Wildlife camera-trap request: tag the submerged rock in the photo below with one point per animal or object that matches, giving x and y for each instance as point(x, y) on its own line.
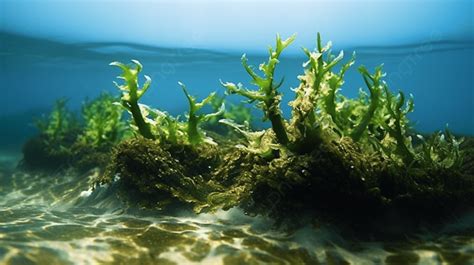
point(335, 180)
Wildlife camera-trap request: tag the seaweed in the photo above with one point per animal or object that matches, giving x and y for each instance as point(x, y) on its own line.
point(195, 134)
point(131, 93)
point(58, 132)
point(336, 155)
point(103, 122)
point(397, 124)
point(238, 113)
point(66, 141)
point(163, 174)
point(441, 150)
point(373, 83)
point(267, 96)
point(316, 106)
point(58, 126)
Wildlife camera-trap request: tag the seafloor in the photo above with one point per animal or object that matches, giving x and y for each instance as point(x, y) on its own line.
point(57, 219)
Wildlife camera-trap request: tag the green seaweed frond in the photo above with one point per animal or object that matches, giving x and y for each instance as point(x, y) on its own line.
point(375, 86)
point(267, 96)
point(441, 150)
point(59, 125)
point(131, 93)
point(103, 123)
point(398, 124)
point(195, 134)
point(258, 142)
point(317, 106)
point(239, 113)
point(168, 128)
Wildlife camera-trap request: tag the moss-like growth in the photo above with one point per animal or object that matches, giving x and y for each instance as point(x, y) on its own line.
point(441, 150)
point(164, 173)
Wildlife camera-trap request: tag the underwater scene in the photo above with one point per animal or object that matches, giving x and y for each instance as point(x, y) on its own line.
point(237, 132)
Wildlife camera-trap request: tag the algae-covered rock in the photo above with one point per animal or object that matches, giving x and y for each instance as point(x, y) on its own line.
point(38, 155)
point(65, 141)
point(164, 172)
point(332, 177)
point(336, 179)
point(355, 158)
point(339, 179)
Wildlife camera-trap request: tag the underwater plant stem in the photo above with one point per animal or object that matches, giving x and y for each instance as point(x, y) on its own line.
point(397, 133)
point(402, 149)
point(359, 130)
point(131, 93)
point(274, 112)
point(279, 128)
point(194, 136)
point(374, 104)
point(143, 127)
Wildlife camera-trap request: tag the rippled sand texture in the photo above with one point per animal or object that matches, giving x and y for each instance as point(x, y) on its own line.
point(55, 219)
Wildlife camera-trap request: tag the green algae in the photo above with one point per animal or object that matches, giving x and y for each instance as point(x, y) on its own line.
point(238, 113)
point(82, 143)
point(103, 122)
point(131, 93)
point(163, 172)
point(267, 96)
point(194, 132)
point(334, 155)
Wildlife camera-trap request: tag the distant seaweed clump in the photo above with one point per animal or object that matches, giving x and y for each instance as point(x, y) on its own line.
point(83, 142)
point(335, 155)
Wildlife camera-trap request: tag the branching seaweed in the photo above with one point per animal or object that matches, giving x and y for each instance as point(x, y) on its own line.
point(238, 113)
point(59, 125)
point(441, 150)
point(258, 142)
point(103, 124)
point(315, 109)
point(397, 124)
point(131, 93)
point(267, 96)
point(195, 134)
point(375, 86)
point(358, 149)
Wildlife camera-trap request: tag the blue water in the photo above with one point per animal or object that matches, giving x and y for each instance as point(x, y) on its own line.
point(35, 72)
